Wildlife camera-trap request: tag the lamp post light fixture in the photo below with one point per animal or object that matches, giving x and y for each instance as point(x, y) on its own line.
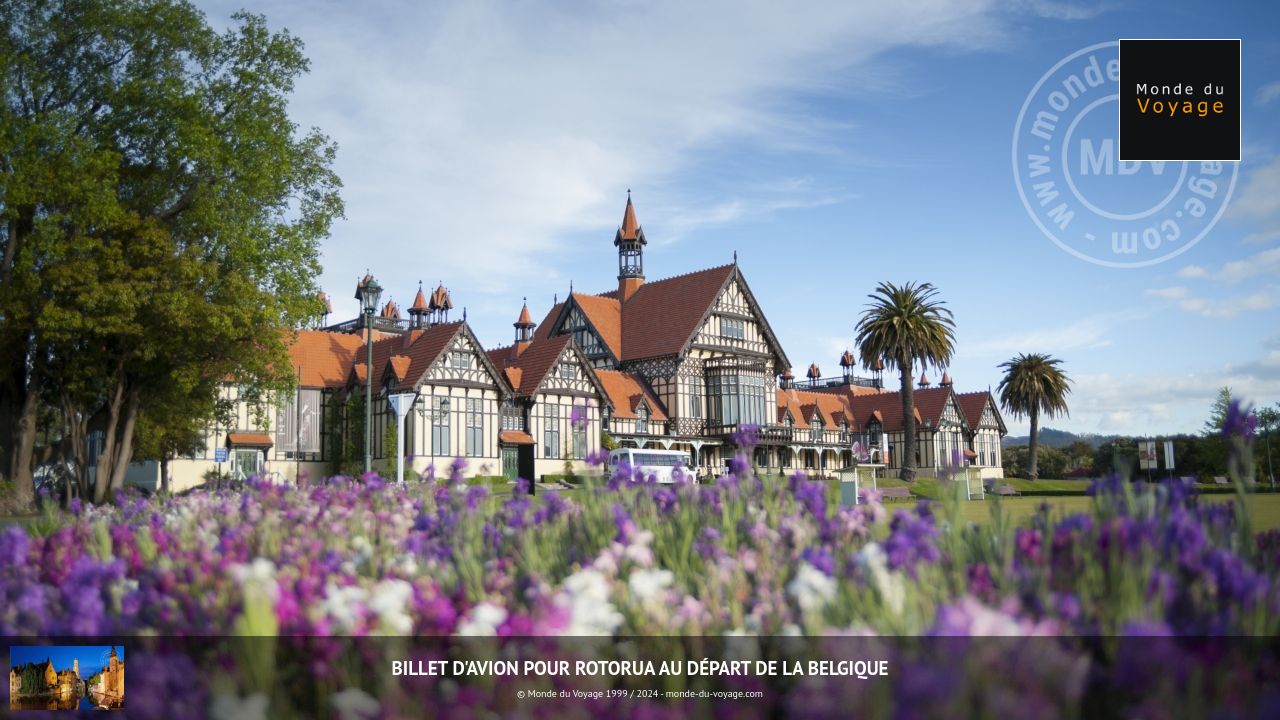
point(435, 415)
point(368, 293)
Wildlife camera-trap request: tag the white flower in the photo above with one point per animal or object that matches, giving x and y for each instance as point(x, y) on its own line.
point(388, 602)
point(354, 704)
point(344, 605)
point(258, 576)
point(648, 585)
point(889, 584)
point(230, 707)
point(483, 619)
point(811, 588)
point(586, 592)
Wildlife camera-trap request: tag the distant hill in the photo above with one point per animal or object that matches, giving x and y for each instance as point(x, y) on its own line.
point(1057, 438)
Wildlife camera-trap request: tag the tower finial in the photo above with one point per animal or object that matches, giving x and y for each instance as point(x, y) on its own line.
point(735, 257)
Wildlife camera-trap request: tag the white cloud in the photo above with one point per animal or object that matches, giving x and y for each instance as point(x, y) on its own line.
point(1269, 93)
point(494, 130)
point(1086, 333)
point(1217, 308)
point(1262, 238)
point(1266, 262)
point(1153, 403)
point(1259, 197)
point(1193, 271)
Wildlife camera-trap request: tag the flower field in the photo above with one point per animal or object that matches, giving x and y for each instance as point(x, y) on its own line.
point(285, 601)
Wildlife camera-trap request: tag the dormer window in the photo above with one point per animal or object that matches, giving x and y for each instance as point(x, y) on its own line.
point(642, 419)
point(815, 429)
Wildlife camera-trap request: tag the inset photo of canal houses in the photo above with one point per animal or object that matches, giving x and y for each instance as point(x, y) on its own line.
point(66, 677)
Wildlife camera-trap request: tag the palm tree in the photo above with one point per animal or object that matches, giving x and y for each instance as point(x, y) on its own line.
point(1033, 384)
point(903, 325)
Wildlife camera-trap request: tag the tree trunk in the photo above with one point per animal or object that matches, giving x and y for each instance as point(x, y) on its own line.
point(124, 448)
point(164, 471)
point(908, 471)
point(1032, 471)
point(106, 460)
point(24, 443)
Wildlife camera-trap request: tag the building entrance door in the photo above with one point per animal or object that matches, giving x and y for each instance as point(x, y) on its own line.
point(511, 462)
point(245, 463)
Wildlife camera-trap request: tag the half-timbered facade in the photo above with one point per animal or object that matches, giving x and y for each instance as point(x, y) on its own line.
point(552, 420)
point(688, 362)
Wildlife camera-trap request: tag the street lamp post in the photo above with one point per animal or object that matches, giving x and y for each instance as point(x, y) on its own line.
point(368, 293)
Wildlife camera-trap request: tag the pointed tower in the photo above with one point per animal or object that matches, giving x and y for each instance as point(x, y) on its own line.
point(847, 362)
point(524, 330)
point(630, 243)
point(419, 308)
point(440, 305)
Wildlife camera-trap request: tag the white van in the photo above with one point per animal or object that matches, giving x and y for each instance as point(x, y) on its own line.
point(657, 463)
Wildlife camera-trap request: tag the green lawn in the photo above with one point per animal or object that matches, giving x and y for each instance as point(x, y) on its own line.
point(1265, 509)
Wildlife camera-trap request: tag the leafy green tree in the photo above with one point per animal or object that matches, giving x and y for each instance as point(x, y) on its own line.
point(903, 325)
point(159, 214)
point(1034, 384)
point(1218, 412)
point(173, 422)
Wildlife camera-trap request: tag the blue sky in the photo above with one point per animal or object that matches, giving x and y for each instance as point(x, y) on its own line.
point(490, 145)
point(92, 657)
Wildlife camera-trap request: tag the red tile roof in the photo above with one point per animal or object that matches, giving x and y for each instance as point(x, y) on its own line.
point(605, 315)
point(532, 365)
point(324, 358)
point(973, 403)
point(250, 439)
point(929, 404)
point(803, 404)
point(515, 437)
point(625, 391)
point(662, 316)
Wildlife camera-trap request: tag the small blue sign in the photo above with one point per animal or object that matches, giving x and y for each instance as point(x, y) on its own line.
point(220, 454)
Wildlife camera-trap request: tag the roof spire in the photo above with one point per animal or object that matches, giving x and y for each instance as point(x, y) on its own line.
point(735, 257)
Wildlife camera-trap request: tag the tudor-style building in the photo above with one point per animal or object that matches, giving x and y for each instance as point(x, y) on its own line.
point(685, 362)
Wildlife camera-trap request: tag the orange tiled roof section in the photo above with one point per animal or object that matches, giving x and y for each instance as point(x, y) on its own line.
point(929, 404)
point(625, 392)
point(515, 437)
point(532, 365)
point(657, 320)
point(250, 439)
point(324, 357)
point(662, 315)
point(833, 408)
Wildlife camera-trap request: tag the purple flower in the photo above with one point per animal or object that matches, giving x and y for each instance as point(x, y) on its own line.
point(1241, 421)
point(911, 540)
point(1027, 542)
point(578, 416)
point(746, 436)
point(821, 558)
point(475, 494)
